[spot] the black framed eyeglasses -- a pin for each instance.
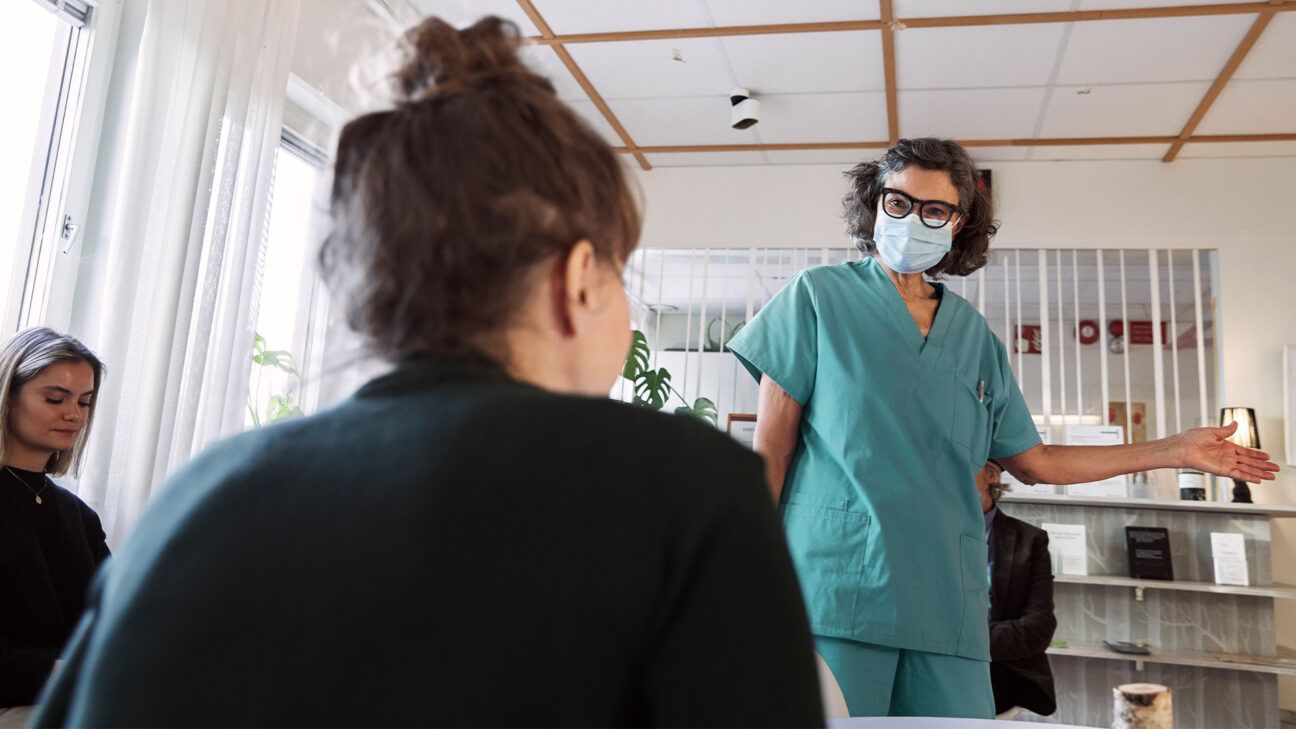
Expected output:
(932, 213)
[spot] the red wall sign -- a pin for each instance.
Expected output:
(1028, 339)
(1140, 332)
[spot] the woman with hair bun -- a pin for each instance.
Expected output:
(480, 537)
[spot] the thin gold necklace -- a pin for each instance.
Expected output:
(35, 492)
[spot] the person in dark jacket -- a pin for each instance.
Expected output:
(1021, 604)
(51, 542)
(480, 537)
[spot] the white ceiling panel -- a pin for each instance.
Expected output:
(1124, 4)
(998, 154)
(1253, 107)
(1274, 55)
(942, 8)
(595, 16)
(462, 13)
(1121, 111)
(807, 63)
(685, 120)
(591, 114)
(1149, 51)
(768, 12)
(970, 113)
(844, 158)
(1238, 150)
(648, 69)
(707, 159)
(544, 60)
(1099, 151)
(1002, 55)
(823, 118)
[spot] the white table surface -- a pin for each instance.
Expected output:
(926, 722)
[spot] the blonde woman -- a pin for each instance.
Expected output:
(50, 541)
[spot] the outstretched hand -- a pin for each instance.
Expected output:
(1208, 449)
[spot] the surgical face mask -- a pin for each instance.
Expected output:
(908, 246)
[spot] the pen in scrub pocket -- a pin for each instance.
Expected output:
(981, 391)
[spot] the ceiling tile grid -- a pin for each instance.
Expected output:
(1253, 107)
(971, 113)
(979, 57)
(567, 17)
(770, 12)
(686, 120)
(807, 63)
(1150, 51)
(795, 118)
(655, 69)
(1121, 111)
(1274, 54)
(942, 8)
(1109, 78)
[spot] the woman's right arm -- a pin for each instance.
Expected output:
(778, 422)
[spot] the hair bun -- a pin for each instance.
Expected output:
(442, 59)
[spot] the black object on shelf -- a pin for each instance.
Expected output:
(1124, 646)
(1149, 553)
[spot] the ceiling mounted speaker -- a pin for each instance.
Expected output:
(745, 111)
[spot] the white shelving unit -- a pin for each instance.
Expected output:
(1214, 645)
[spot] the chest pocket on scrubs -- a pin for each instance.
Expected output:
(971, 426)
(828, 547)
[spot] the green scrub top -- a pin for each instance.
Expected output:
(880, 506)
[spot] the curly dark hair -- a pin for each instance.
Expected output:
(442, 207)
(972, 243)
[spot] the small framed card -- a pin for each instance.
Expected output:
(1149, 553)
(1067, 548)
(742, 427)
(1229, 552)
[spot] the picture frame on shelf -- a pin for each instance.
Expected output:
(742, 428)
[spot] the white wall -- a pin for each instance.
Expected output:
(1242, 207)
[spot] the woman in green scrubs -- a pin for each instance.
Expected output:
(881, 394)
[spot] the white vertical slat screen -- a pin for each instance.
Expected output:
(683, 295)
(1158, 356)
(1125, 360)
(1046, 379)
(1201, 337)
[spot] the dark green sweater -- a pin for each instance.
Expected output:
(450, 547)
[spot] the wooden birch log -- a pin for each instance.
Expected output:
(1142, 706)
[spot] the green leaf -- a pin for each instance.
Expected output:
(637, 359)
(281, 407)
(258, 344)
(652, 388)
(703, 409)
(279, 359)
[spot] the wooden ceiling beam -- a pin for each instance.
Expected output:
(1239, 54)
(889, 71)
(954, 21)
(583, 80)
(969, 143)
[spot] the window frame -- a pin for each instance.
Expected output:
(48, 257)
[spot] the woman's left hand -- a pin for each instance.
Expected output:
(1208, 449)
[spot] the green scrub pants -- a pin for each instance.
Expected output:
(881, 681)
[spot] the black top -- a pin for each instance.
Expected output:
(48, 553)
(450, 547)
(1021, 617)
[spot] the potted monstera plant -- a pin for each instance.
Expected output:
(652, 387)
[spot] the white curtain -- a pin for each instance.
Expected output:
(168, 288)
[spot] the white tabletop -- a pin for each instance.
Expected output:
(927, 722)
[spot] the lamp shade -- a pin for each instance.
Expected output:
(1246, 435)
